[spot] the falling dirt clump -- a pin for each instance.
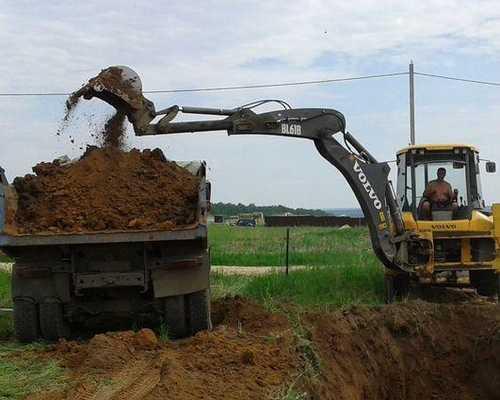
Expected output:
(113, 134)
(107, 189)
(70, 107)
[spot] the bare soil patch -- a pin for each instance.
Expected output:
(404, 351)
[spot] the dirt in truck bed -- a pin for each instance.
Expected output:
(415, 350)
(107, 189)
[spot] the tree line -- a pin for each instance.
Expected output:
(228, 209)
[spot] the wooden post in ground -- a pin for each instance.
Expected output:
(287, 248)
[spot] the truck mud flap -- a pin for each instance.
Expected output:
(181, 279)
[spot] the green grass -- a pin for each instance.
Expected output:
(23, 374)
(345, 270)
(264, 246)
(316, 287)
(6, 328)
(5, 298)
(4, 258)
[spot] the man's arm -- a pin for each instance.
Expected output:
(428, 190)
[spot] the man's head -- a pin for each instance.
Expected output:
(441, 173)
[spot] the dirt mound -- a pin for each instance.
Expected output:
(405, 351)
(107, 189)
(227, 363)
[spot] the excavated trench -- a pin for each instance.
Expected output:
(416, 350)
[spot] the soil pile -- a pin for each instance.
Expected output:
(405, 351)
(107, 189)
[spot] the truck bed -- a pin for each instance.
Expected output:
(188, 233)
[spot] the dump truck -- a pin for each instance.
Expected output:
(63, 279)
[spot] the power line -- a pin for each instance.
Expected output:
(226, 88)
(452, 78)
(272, 85)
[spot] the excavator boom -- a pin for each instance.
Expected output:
(367, 177)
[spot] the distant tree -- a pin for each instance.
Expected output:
(228, 209)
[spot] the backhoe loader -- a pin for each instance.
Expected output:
(450, 242)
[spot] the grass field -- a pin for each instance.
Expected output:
(345, 270)
(262, 246)
(318, 287)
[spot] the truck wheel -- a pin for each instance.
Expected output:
(25, 320)
(175, 316)
(485, 282)
(52, 323)
(397, 287)
(199, 311)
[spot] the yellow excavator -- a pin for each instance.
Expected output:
(455, 244)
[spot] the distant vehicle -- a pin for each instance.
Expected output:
(258, 217)
(246, 222)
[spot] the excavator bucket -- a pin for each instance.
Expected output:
(121, 87)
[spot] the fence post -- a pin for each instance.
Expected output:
(287, 248)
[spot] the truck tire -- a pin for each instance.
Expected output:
(25, 320)
(52, 324)
(175, 316)
(199, 311)
(396, 287)
(485, 282)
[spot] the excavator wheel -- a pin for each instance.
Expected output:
(397, 287)
(486, 282)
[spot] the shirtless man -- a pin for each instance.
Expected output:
(438, 194)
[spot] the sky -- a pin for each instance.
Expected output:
(58, 45)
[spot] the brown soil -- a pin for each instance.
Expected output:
(113, 134)
(70, 107)
(107, 189)
(406, 351)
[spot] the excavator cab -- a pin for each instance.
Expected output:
(418, 170)
(463, 235)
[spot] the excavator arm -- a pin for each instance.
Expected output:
(368, 178)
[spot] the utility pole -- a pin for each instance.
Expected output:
(412, 103)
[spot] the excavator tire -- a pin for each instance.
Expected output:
(199, 311)
(25, 320)
(397, 287)
(52, 324)
(486, 282)
(175, 316)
